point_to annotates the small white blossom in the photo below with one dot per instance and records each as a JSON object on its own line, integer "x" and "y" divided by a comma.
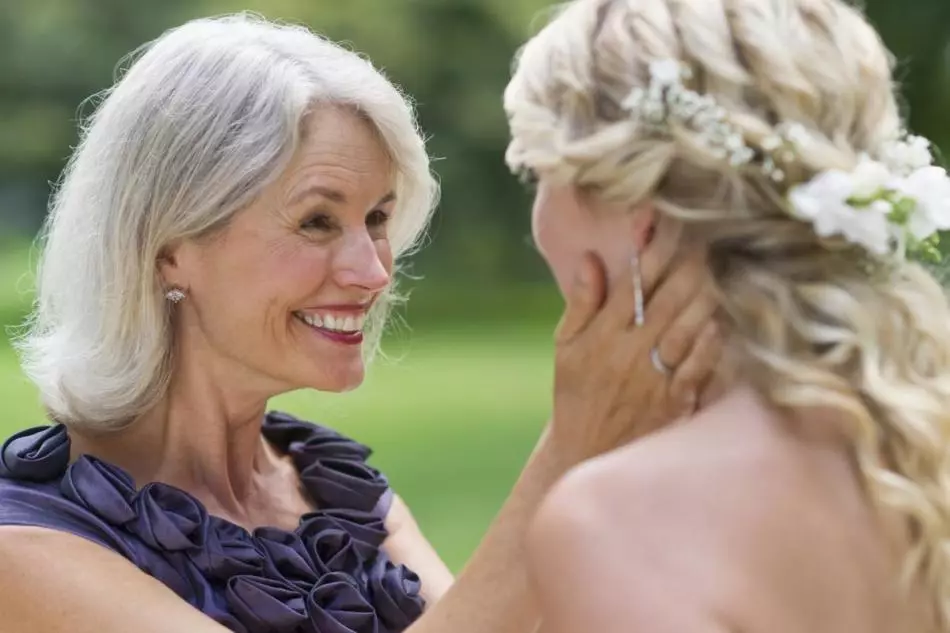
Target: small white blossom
{"x": 734, "y": 142}
{"x": 823, "y": 201}
{"x": 883, "y": 207}
{"x": 666, "y": 72}
{"x": 929, "y": 189}
{"x": 907, "y": 155}
{"x": 869, "y": 178}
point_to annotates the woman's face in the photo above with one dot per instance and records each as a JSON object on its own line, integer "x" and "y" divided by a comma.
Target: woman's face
{"x": 567, "y": 223}
{"x": 279, "y": 296}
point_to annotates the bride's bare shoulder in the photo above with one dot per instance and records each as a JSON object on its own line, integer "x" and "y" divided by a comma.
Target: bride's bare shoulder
{"x": 679, "y": 465}
{"x": 653, "y": 516}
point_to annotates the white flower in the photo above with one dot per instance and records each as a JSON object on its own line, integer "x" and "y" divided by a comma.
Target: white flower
{"x": 918, "y": 152}
{"x": 869, "y": 178}
{"x": 929, "y": 188}
{"x": 882, "y": 206}
{"x": 666, "y": 72}
{"x": 823, "y": 201}
{"x": 809, "y": 199}
{"x": 907, "y": 155}
{"x": 867, "y": 227}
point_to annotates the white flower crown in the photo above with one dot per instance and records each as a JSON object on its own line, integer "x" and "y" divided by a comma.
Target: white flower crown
{"x": 889, "y": 204}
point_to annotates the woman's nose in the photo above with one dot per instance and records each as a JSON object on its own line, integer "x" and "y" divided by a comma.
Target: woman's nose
{"x": 363, "y": 262}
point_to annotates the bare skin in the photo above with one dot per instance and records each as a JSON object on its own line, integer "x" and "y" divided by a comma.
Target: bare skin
{"x": 239, "y": 342}
{"x": 738, "y": 519}
{"x": 731, "y": 519}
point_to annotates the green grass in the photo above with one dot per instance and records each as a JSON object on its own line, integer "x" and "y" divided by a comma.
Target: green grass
{"x": 451, "y": 422}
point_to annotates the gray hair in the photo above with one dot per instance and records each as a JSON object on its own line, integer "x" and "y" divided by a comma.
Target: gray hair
{"x": 205, "y": 117}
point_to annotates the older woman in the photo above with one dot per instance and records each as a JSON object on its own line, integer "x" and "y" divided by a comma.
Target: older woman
{"x": 811, "y": 491}
{"x": 225, "y": 232}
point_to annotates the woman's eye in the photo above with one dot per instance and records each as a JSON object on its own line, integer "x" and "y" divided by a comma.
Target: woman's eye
{"x": 319, "y": 222}
{"x": 377, "y": 218}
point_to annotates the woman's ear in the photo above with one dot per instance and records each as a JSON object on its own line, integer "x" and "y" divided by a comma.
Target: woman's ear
{"x": 169, "y": 267}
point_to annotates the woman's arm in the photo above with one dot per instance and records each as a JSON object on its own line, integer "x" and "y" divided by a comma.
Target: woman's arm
{"x": 409, "y": 546}
{"x": 492, "y": 594}
{"x": 60, "y": 583}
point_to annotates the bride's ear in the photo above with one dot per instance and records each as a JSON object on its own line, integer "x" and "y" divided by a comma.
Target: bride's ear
{"x": 639, "y": 221}
{"x": 643, "y": 219}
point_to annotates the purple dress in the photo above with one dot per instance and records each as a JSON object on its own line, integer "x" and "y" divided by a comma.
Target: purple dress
{"x": 327, "y": 576}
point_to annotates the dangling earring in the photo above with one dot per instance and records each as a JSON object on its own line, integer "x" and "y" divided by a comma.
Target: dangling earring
{"x": 639, "y": 316}
{"x": 175, "y": 295}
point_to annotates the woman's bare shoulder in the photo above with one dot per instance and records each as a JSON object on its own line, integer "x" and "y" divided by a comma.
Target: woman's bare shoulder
{"x": 54, "y": 581}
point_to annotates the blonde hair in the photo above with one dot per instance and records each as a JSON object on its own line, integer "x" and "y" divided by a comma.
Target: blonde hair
{"x": 203, "y": 119}
{"x": 815, "y": 326}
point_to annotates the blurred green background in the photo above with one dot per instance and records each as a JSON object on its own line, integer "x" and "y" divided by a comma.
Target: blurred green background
{"x": 455, "y": 407}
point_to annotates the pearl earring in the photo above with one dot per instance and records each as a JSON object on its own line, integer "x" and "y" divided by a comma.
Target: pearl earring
{"x": 175, "y": 295}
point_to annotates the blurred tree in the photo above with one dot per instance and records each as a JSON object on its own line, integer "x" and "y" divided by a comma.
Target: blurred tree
{"x": 452, "y": 56}
{"x": 920, "y": 41}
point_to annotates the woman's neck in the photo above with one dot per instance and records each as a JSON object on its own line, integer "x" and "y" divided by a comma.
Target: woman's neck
{"x": 201, "y": 438}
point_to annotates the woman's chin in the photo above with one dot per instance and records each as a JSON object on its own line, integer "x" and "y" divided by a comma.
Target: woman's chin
{"x": 339, "y": 379}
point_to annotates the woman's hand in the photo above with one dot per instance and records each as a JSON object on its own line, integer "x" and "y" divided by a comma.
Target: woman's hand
{"x": 607, "y": 389}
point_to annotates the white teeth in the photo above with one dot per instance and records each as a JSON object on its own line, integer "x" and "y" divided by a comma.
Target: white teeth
{"x": 337, "y": 323}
